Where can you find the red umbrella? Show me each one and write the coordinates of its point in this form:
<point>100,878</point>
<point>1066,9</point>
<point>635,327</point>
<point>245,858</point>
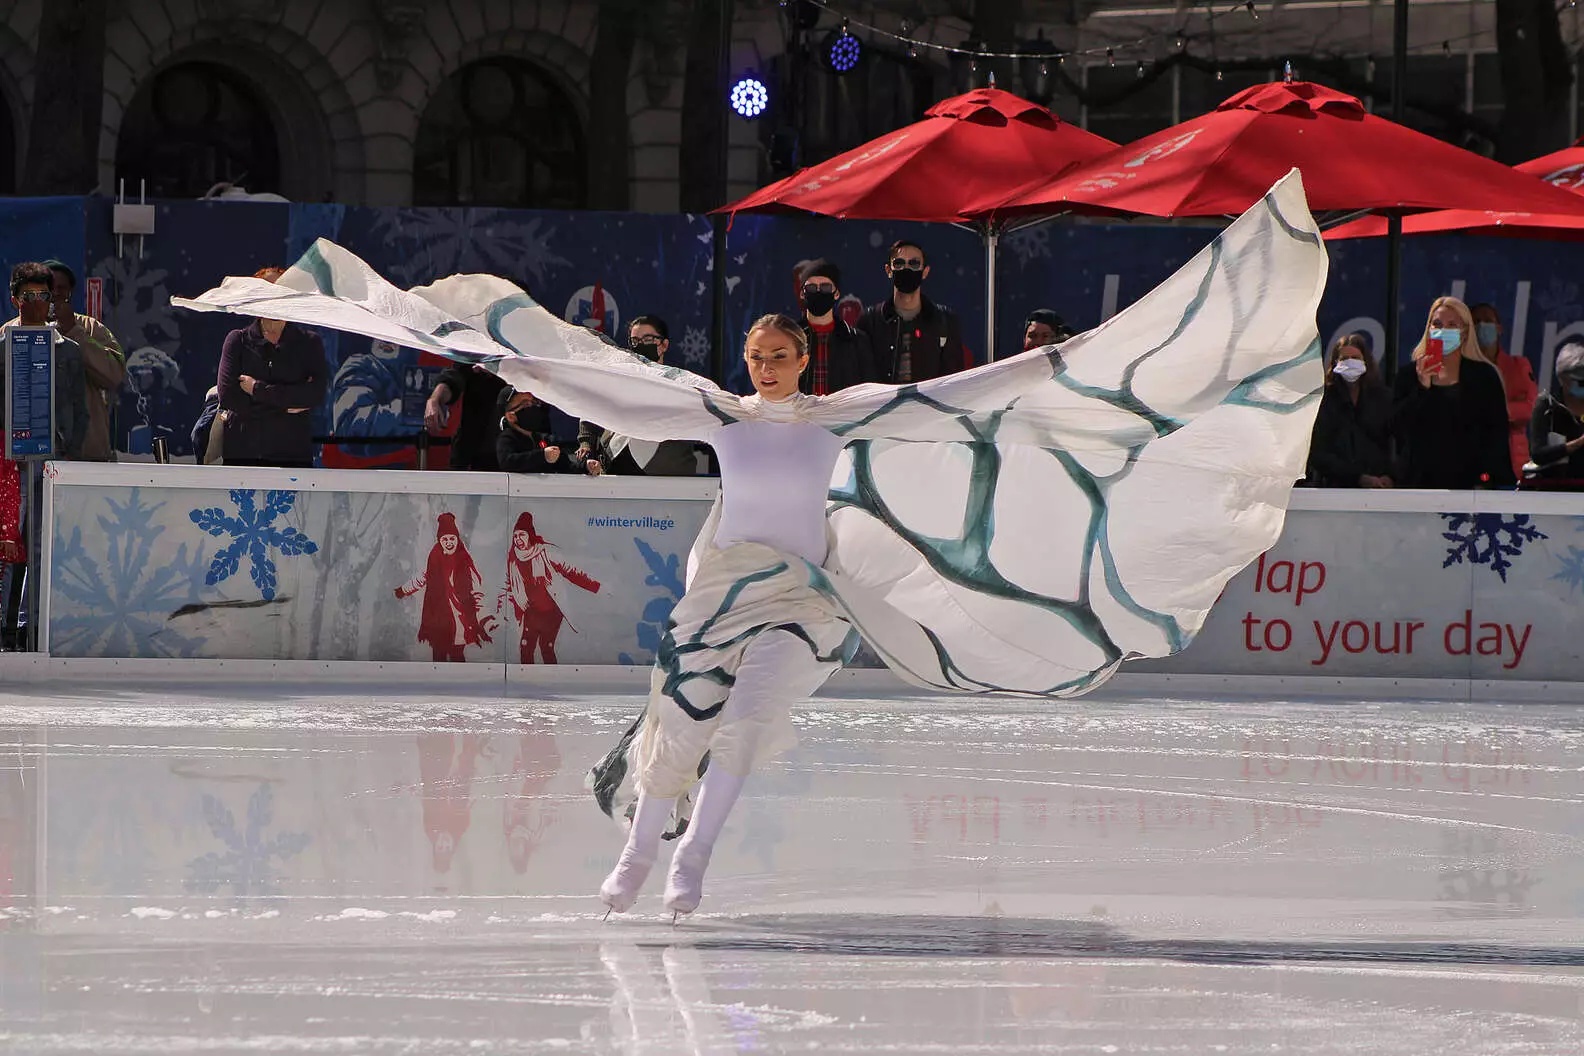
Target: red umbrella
<point>1564,169</point>
<point>1222,162</point>
<point>968,153</point>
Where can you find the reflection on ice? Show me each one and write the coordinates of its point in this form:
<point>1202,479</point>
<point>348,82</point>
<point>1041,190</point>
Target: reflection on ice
<point>412,873</point>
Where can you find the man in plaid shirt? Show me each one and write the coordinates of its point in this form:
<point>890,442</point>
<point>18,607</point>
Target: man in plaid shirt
<point>839,355</point>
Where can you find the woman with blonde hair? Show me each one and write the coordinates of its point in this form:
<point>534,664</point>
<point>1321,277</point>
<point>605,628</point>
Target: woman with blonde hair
<point>1023,527</point>
<point>1451,409</point>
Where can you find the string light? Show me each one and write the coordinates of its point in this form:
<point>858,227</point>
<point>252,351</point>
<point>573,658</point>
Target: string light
<point>975,51</point>
<point>1141,68</point>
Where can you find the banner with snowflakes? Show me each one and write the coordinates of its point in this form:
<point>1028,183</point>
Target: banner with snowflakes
<point>178,563</point>
<point>1481,585</point>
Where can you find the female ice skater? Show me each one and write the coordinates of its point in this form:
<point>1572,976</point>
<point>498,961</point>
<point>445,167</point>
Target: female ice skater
<point>1023,527</point>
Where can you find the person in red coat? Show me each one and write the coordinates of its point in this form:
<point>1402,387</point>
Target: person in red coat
<point>451,584</point>
<point>530,574</point>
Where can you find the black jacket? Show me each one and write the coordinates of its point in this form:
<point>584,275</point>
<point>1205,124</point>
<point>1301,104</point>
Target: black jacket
<point>1551,416</point>
<point>1452,436</point>
<point>1351,439</point>
<point>473,446</point>
<point>934,333</point>
<point>262,427</point>
<point>850,359</point>
<point>516,452</point>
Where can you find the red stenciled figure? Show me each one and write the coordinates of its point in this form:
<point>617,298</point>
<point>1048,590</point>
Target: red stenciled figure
<point>11,548</point>
<point>530,574</point>
<point>452,595</point>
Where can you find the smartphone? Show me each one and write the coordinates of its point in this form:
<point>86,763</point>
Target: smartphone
<point>1434,354</point>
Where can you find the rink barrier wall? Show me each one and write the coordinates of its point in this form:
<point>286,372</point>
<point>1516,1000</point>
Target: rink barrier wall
<point>293,574</point>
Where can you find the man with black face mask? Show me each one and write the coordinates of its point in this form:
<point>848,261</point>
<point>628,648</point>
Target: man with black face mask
<point>913,338</point>
<point>649,337</point>
<point>839,355</point>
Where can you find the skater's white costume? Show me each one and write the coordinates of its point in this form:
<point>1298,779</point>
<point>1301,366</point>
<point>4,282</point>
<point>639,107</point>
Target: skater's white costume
<point>1022,527</point>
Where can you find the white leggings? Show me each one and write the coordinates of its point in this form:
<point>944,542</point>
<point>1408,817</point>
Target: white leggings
<point>778,669</point>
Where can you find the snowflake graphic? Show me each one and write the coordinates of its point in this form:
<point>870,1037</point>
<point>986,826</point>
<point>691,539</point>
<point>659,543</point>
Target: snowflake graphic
<point>665,570</point>
<point>1467,531</point>
<point>432,242</point>
<point>246,864</point>
<point>255,534</point>
<point>694,348</point>
<point>1571,572</point>
<point>1031,243</point>
<point>120,606</point>
<point>141,313</point>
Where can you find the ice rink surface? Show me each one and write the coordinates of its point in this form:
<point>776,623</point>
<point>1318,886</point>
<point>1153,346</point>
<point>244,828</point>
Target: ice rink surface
<point>222,868</point>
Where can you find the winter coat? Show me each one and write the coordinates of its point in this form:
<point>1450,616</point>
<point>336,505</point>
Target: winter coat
<point>473,446</point>
<point>850,360</point>
<point>1452,436</point>
<point>1550,419</point>
<point>1351,439</point>
<point>262,427</point>
<point>936,339</point>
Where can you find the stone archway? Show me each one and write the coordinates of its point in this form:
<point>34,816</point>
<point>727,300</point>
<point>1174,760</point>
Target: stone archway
<point>500,131</point>
<point>318,144</point>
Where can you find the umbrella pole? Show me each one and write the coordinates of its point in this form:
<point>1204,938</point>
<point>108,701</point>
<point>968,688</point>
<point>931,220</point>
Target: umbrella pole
<point>992,240</point>
<point>1388,361</point>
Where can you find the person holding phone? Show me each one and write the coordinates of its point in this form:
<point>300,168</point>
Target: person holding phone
<point>1450,411</point>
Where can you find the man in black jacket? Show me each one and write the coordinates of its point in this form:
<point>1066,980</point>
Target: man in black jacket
<point>526,442</point>
<point>839,355</point>
<point>913,338</point>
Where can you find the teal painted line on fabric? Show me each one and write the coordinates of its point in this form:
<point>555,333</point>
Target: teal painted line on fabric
<point>1240,393</point>
<point>1099,540</point>
<point>497,312</point>
<point>1298,234</point>
<point>906,396</point>
<point>734,592</point>
<point>986,579</point>
<point>314,263</point>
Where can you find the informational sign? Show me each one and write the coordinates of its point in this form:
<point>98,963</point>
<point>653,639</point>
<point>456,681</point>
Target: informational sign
<point>417,383</point>
<point>29,392</point>
<point>93,298</point>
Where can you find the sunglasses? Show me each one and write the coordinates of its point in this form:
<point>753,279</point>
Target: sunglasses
<point>33,295</point>
<point>818,287</point>
<point>898,264</point>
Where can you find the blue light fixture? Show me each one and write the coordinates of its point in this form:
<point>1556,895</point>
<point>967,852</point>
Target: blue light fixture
<point>843,52</point>
<point>749,97</point>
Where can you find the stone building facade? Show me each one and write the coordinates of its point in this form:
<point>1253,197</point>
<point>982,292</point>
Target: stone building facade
<point>489,101</point>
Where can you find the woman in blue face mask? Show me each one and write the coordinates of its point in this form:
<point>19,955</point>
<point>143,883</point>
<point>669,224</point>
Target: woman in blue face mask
<point>1351,444</point>
<point>1451,409</point>
<point>1556,428</point>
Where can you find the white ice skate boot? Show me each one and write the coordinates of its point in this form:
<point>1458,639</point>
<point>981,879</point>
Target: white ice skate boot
<point>621,887</point>
<point>685,883</point>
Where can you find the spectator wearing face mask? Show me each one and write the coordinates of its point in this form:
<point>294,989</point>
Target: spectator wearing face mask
<point>1450,411</point>
<point>1351,446</point>
<point>839,355</point>
<point>913,338</point>
<point>526,442</point>
<point>1517,377</point>
<point>649,337</point>
<point>1044,327</point>
<point>1556,425</point>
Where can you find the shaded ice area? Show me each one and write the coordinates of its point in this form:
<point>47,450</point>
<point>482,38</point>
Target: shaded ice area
<point>242,869</point>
